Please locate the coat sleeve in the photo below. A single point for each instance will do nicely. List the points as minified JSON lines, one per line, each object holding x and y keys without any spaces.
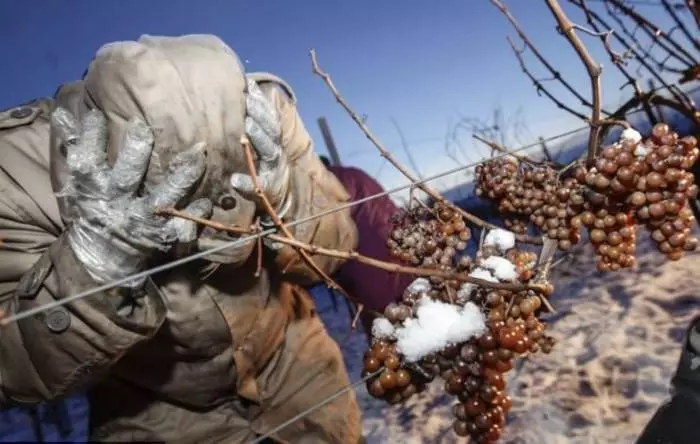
{"x":65,"y":349}
{"x":313,"y":190}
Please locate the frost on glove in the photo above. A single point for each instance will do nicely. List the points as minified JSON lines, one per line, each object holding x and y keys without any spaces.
{"x":113,"y":229}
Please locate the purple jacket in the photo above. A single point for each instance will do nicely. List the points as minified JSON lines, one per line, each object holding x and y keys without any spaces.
{"x":373,"y":287}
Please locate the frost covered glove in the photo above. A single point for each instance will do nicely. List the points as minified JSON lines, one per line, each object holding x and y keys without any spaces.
{"x":263,"y":128}
{"x":112,"y":230}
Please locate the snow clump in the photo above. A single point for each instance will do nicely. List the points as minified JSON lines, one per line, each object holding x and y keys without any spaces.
{"x":436,"y":325}
{"x":503,"y":240}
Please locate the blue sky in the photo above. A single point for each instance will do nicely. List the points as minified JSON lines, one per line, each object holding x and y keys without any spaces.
{"x":421,"y":63}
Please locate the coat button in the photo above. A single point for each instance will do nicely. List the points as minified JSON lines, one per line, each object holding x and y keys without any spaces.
{"x":21,"y":113}
{"x":58,"y":320}
{"x":227,"y":202}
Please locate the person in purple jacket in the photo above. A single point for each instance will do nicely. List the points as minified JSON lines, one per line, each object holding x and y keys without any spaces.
{"x":374,"y":287}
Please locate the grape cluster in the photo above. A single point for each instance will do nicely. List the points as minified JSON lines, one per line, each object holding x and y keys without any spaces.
{"x":531,"y":194}
{"x":473,"y":371}
{"x":661,"y":201}
{"x":396,"y":383}
{"x":431,"y":238}
{"x":633,"y":183}
{"x":613,"y":235}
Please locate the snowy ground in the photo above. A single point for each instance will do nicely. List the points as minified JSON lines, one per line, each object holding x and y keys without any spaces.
{"x":619,"y":341}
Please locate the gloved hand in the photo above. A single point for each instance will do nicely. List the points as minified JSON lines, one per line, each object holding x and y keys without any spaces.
{"x":112,"y":230}
{"x":263,"y":128}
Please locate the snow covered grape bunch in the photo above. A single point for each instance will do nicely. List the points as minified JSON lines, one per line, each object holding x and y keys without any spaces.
{"x":467,"y":335}
{"x":633,"y":183}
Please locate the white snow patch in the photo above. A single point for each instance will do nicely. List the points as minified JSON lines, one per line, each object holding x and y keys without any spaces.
{"x":631,"y":134}
{"x":483,"y":274}
{"x":436,"y":325}
{"x":641,"y":150}
{"x":420,"y":285}
{"x":502,"y":268}
{"x":502,"y":239}
{"x":382,"y":328}
{"x":510,"y":158}
{"x":480,"y":273}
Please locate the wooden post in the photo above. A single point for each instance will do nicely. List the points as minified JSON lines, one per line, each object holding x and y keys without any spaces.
{"x":328,"y":139}
{"x":659,"y":110}
{"x":545,"y":150}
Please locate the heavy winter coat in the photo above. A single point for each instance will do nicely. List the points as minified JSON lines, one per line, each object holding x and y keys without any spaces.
{"x":219,"y":356}
{"x":374,"y":287}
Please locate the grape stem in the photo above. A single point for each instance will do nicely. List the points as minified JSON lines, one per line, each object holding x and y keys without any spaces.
{"x":286,"y":233}
{"x":500,"y":148}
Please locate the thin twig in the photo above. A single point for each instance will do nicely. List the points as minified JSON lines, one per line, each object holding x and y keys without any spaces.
{"x":645,"y":99}
{"x":652,"y":30}
{"x":619,"y":61}
{"x":644,"y":59}
{"x":385,"y":153}
{"x":501,"y":149}
{"x":259,"y":246}
{"x":528,"y":43}
{"x":270,"y":210}
{"x":356,"y":317}
{"x":352,"y":255}
{"x":681,"y":25}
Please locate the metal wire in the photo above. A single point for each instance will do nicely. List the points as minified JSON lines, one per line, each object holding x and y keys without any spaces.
{"x":244,"y":240}
{"x":316,"y":406}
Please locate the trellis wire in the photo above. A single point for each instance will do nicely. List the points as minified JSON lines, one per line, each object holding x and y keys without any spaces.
{"x":318,"y":405}
{"x":243,"y":240}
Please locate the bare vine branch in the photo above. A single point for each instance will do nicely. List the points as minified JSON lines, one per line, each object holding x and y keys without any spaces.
{"x":654,"y":32}
{"x":277,"y":221}
{"x":594,"y":72}
{"x":354,"y":256}
{"x":681,"y":25}
{"x":539,"y":87}
{"x":619,"y":61}
{"x":385,"y":153}
{"x":528,"y":43}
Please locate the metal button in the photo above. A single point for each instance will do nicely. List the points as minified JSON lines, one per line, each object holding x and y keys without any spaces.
{"x":21,"y":113}
{"x":58,"y":320}
{"x":228,"y":202}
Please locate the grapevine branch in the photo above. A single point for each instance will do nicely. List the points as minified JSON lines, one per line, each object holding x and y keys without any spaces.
{"x":539,"y":86}
{"x":596,"y":121}
{"x":618,"y":59}
{"x":501,"y":149}
{"x":385,"y":153}
{"x":643,"y":59}
{"x":655,"y":33}
{"x":286,"y":234}
{"x":681,"y":25}
{"x":594,"y":70}
{"x":354,"y":256}
{"x":694,"y":7}
{"x":556,"y":75}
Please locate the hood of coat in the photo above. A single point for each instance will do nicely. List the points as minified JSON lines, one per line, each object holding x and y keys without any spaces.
{"x":189,"y":89}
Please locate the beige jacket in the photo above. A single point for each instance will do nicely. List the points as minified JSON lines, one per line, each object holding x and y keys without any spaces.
{"x":215,"y":358}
